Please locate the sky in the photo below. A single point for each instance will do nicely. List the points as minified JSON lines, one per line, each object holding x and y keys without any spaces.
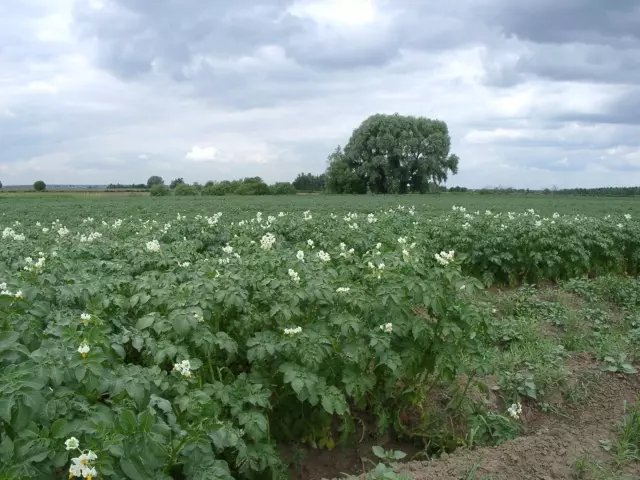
{"x":536,"y":93}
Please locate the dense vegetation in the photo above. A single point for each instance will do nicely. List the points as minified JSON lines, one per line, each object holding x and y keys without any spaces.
{"x":392,"y":154}
{"x":178,"y":344}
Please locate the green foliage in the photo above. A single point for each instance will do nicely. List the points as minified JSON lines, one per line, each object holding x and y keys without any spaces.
{"x":217,"y":292}
{"x":393,"y":154}
{"x":39,"y":186}
{"x":282,"y":188}
{"x":159,"y":190}
{"x":154,"y":180}
{"x":175,"y":182}
{"x":184,"y":190}
{"x":307,"y":182}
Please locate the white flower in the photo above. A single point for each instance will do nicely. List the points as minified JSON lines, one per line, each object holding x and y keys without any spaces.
{"x":378,"y":246}
{"x":45,"y":230}
{"x":324,"y":256}
{"x":227,"y":249}
{"x":85,"y":317}
{"x":386,"y":327}
{"x":3,"y":286}
{"x":343,"y":290}
{"x":198,"y":317}
{"x":267,"y":241}
{"x":292,"y":331}
{"x":307,"y":215}
{"x":63,"y":231}
{"x":371,"y":218}
{"x":183,"y":367}
{"x":184,"y":264}
{"x":515,"y":410}
{"x":310,"y":243}
{"x":402,"y":240}
{"x":19,"y":294}
{"x":300,"y":255}
{"x":444,"y":258}
{"x":153,"y":246}
{"x":627,"y":216}
{"x":72,"y":443}
{"x":89,"y":472}
{"x":294,"y":275}
{"x":83,"y":350}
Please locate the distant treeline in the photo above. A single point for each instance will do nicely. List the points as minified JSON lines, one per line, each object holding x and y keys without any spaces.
{"x":133,"y":186}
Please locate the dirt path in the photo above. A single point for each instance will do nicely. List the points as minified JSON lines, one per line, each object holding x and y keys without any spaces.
{"x":552,"y":445}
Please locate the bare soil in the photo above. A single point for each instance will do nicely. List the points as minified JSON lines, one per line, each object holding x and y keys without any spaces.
{"x":547,"y":451}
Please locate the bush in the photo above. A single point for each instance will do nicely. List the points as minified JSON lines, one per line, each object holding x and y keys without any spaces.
{"x":39,"y":186}
{"x":158,"y":190}
{"x":184,"y":190}
{"x":252,"y":188}
{"x":282,"y":188}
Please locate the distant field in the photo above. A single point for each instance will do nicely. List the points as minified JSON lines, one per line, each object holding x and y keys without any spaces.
{"x":125,"y":203}
{"x":195,"y":338}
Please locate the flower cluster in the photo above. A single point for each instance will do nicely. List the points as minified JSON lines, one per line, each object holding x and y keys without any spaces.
{"x":515,"y":410}
{"x":184,"y":264}
{"x":183,"y":367}
{"x":153,"y":246}
{"x":386,"y":327}
{"x":294,"y":276}
{"x":198,"y":317}
{"x":82,"y":465}
{"x":11,"y":234}
{"x":444,"y":258}
{"x":63,"y":232}
{"x":343,"y":290}
{"x":267,"y":241}
{"x":300,"y":255}
{"x":36,"y":266}
{"x":371,"y":218}
{"x":228,"y":249}
{"x":307,"y":215}
{"x":324,"y":256}
{"x":310,"y":243}
{"x":90,"y":238}
{"x":376,"y":270}
{"x":292,"y":331}
{"x":7,"y":293}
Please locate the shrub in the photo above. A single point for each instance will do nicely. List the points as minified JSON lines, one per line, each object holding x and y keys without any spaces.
{"x":184,"y":190}
{"x":158,"y":190}
{"x":282,"y":188}
{"x":39,"y":186}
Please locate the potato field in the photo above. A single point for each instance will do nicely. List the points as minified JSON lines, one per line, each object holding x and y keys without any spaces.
{"x":315,"y":336}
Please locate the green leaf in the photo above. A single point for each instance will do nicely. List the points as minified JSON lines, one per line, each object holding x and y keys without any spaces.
{"x":127,"y":422}
{"x":181,"y":325}
{"x":58,"y":429}
{"x":145,"y":322}
{"x":6,"y":449}
{"x":254,"y":423}
{"x":133,"y":468}
{"x":378,"y":451}
{"x":146,"y":420}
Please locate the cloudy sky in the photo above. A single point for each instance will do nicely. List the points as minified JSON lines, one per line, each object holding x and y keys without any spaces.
{"x":535,"y":92}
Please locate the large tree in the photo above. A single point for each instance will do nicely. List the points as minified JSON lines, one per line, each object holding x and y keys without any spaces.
{"x":392,"y":154}
{"x":154,"y":180}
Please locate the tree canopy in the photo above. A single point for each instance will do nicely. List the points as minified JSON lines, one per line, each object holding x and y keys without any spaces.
{"x":175,"y":182}
{"x":392,"y":154}
{"x":39,"y":186}
{"x":154,"y":180}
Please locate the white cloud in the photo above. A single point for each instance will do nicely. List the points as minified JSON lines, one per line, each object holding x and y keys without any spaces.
{"x":42,"y":87}
{"x":203,"y":154}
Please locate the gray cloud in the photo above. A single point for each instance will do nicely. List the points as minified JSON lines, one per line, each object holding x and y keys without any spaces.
{"x":535,"y":93}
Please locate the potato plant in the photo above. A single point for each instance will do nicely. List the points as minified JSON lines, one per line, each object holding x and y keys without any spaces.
{"x":190,"y":346}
